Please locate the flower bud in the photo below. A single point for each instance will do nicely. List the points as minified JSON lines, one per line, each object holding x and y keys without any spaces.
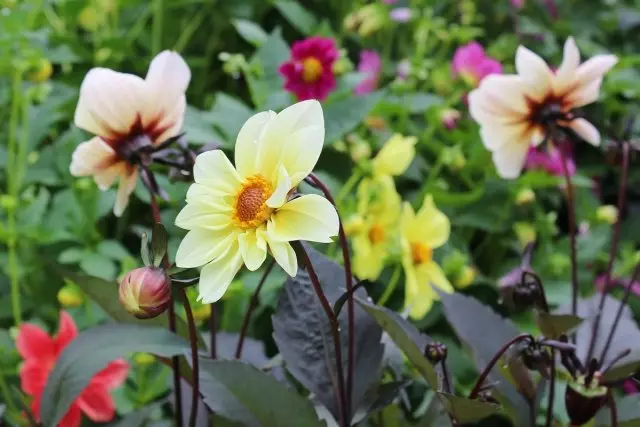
{"x":69,"y":296}
{"x":535,"y":358}
{"x":436,"y":352}
{"x":583,"y":401}
{"x":525,"y":196}
{"x":607,"y":214}
{"x":144,"y":359}
{"x":449,"y":118}
{"x":145,"y":292}
{"x":466,"y":277}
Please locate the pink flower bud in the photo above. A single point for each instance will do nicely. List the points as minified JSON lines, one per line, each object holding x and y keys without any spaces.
{"x":145,"y":292}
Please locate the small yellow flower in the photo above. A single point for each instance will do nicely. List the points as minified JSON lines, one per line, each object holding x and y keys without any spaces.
{"x":525,"y":196}
{"x":144,"y":359}
{"x":421,"y":233}
{"x":372,"y":243}
{"x":395,"y":156}
{"x":43,"y":71}
{"x":236,"y":214}
{"x":70,"y":296}
{"x":466,"y":277}
{"x":607,"y":214}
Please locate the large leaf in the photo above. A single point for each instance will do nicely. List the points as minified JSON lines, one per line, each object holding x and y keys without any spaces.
{"x":485,"y":332}
{"x":271,"y":54}
{"x":467,"y":410}
{"x":90,"y":352}
{"x":298,"y":16}
{"x":302,"y":333}
{"x":137,"y":418}
{"x":229,"y":114}
{"x":250,"y":31}
{"x":344,"y":115}
{"x":406,"y":337}
{"x":554,"y":325}
{"x":258,"y":399}
{"x":627,"y":336}
{"x":628,"y":413}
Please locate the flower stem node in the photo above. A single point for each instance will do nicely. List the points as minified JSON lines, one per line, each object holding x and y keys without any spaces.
{"x":145,"y":292}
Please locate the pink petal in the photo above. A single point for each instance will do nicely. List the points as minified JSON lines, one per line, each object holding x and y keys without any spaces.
{"x":72,"y":418}
{"x":114,"y":375}
{"x":34,"y":343}
{"x":96,"y":402}
{"x":33,"y":377}
{"x":67,"y":331}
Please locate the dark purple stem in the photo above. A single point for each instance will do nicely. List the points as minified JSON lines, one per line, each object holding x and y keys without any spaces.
{"x":213,"y":328}
{"x":349,"y":286}
{"x":552,"y":389}
{"x":622,"y":193}
{"x":613,"y":408}
{"x":572,"y":232}
{"x":252,"y":306}
{"x":483,"y":376}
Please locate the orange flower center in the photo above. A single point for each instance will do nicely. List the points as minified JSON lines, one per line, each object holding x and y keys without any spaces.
{"x":250,"y":208}
{"x":311,"y":70}
{"x":420,"y":253}
{"x":376,"y":234}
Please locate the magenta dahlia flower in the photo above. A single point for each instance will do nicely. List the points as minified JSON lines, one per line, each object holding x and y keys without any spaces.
{"x":370,"y":65}
{"x":472,"y":64}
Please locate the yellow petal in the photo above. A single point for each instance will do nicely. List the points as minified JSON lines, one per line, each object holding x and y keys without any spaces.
{"x":214,"y":170}
{"x":283,"y":185}
{"x":247,"y":142}
{"x":109,"y":102}
{"x":407,"y":220}
{"x":201,"y":246}
{"x":432,"y":274}
{"x":310,"y":217}
{"x":196,"y":215}
{"x":127,"y":184}
{"x":368,"y":259}
{"x":216,"y":276}
{"x":395,"y":156}
{"x":431,"y":225}
{"x":418,"y":299}
{"x":284,"y":255}
{"x":253,"y":248}
{"x":209,"y":196}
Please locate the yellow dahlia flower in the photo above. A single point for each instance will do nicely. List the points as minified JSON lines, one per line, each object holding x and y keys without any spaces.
{"x":236,"y":214}
{"x":395,"y":156}
{"x":421,"y":234}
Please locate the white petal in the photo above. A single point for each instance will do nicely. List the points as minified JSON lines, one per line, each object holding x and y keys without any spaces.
{"x":584,"y":95}
{"x":200,"y":247}
{"x":253,"y":247}
{"x":247,"y":142}
{"x":109,"y":102}
{"x":91,"y":157}
{"x":595,"y":68}
{"x":281,"y":141}
{"x":283,"y":186}
{"x":310,"y":217}
{"x":214,"y":170}
{"x":284,"y":255}
{"x":566,"y":73}
{"x":495,"y":135}
{"x":499,"y":99}
{"x":127,"y":184}
{"x":106,"y":177}
{"x":586,"y":131}
{"x":510,"y":158}
{"x":535,"y":72}
{"x":216,"y":276}
{"x":196,"y":215}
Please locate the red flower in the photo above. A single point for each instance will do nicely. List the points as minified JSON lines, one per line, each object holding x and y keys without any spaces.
{"x":309,"y":72}
{"x":40,"y":352}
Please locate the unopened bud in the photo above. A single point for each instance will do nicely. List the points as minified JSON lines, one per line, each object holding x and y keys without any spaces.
{"x":449,"y":118}
{"x":69,"y":296}
{"x":435,"y":352}
{"x":144,"y":359}
{"x":583,"y":401}
{"x":525,"y":196}
{"x":607,"y":214}
{"x":466,"y":277}
{"x":535,"y":358}
{"x":145,"y":292}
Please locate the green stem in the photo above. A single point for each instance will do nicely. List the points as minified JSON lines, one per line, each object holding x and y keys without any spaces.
{"x":393,"y":283}
{"x":158,"y":12}
{"x":6,"y":393}
{"x":348,"y":186}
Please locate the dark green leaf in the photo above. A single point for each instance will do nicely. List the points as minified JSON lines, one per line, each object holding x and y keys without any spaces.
{"x":302,"y":334}
{"x":71,"y":255}
{"x":415,"y":102}
{"x":158,"y":243}
{"x":268,"y":58}
{"x":406,"y":336}
{"x":379,"y":398}
{"x":250,"y":31}
{"x":137,"y":418}
{"x":628,"y":412}
{"x":112,"y":249}
{"x":297,"y":16}
{"x":484,"y":332}
{"x":90,"y":352}
{"x":98,"y":265}
{"x":344,"y":115}
{"x":229,"y":114}
{"x":467,"y":410}
{"x":258,"y":399}
{"x":554,"y":325}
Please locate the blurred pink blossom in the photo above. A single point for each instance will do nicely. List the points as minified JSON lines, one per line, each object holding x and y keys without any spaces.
{"x":472,"y":64}
{"x":389,"y":1}
{"x":403,"y":69}
{"x":616,"y":282}
{"x":370,"y":65}
{"x":401,"y":14}
{"x":630,"y":387}
{"x":549,"y":160}
{"x":518,"y":4}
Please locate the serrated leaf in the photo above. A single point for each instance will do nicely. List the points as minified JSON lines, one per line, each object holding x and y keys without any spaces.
{"x":258,"y":399}
{"x":250,"y":31}
{"x":627,"y":336}
{"x":302,"y":334}
{"x":90,"y":352}
{"x":159,"y":240}
{"x":484,"y":332}
{"x":467,"y":410}
{"x":553,"y":325}
{"x":406,"y":337}
{"x":297,"y":16}
{"x":344,"y":115}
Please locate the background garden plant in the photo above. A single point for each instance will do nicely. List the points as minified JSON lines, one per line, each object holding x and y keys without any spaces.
{"x":447,"y":291}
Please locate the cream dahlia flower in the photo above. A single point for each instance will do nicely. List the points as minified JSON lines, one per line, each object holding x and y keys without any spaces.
{"x":127,"y":113}
{"x":236,"y":214}
{"x":516,"y":111}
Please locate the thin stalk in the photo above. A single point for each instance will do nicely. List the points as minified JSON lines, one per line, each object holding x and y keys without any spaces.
{"x":623,"y":302}
{"x":622,"y":198}
{"x":348,"y":186}
{"x":571,"y":206}
{"x":213,"y":328}
{"x":493,"y":361}
{"x":175,"y":361}
{"x":445,"y":376}
{"x":393,"y":283}
{"x":552,"y":389}
{"x":252,"y":306}
{"x":351,"y":316}
{"x":193,"y":338}
{"x":335,"y":328}
{"x":158,"y":12}
{"x":613,"y":408}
